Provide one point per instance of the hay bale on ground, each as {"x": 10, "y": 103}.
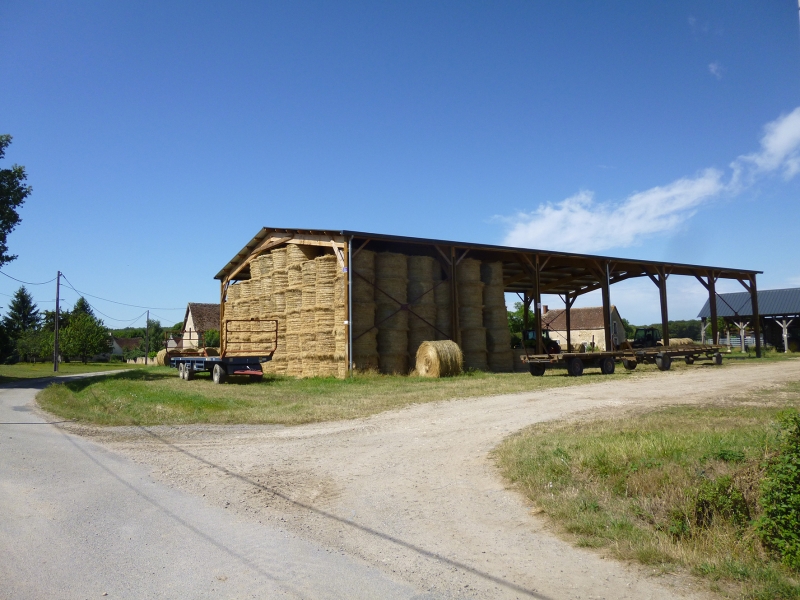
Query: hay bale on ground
{"x": 162, "y": 360}
{"x": 439, "y": 359}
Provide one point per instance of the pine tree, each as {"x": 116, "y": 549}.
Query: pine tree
{"x": 13, "y": 192}
{"x": 82, "y": 306}
{"x": 22, "y": 315}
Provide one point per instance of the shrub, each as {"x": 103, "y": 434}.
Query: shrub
{"x": 779, "y": 525}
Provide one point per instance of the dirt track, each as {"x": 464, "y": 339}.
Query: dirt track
{"x": 415, "y": 492}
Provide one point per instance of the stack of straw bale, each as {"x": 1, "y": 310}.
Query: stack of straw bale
{"x": 470, "y": 314}
{"x": 365, "y": 344}
{"x": 339, "y": 314}
{"x": 443, "y": 298}
{"x": 422, "y": 303}
{"x": 391, "y": 280}
{"x": 280, "y": 281}
{"x": 308, "y": 308}
{"x": 495, "y": 319}
{"x": 327, "y": 268}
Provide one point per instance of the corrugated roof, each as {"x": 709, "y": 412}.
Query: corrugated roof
{"x": 770, "y": 303}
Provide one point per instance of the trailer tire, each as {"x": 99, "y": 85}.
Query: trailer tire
{"x": 575, "y": 367}
{"x": 188, "y": 373}
{"x": 689, "y": 360}
{"x": 607, "y": 366}
{"x": 536, "y": 369}
{"x": 181, "y": 370}
{"x": 663, "y": 361}
{"x": 218, "y": 375}
{"x": 629, "y": 364}
{"x": 717, "y": 359}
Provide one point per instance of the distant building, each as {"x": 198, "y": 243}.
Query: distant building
{"x": 199, "y": 319}
{"x": 586, "y": 326}
{"x": 120, "y": 345}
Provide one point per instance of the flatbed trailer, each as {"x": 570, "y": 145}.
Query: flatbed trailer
{"x": 661, "y": 356}
{"x": 238, "y": 357}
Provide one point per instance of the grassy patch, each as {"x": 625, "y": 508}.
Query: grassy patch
{"x": 672, "y": 488}
{"x": 20, "y": 371}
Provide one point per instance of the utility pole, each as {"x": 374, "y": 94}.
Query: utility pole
{"x": 147, "y": 338}
{"x": 55, "y": 340}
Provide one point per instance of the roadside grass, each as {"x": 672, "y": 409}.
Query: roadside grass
{"x": 670, "y": 488}
{"x": 20, "y": 371}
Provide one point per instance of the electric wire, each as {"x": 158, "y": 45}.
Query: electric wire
{"x": 114, "y": 301}
{"x": 28, "y": 282}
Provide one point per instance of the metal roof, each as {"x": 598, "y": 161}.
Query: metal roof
{"x": 771, "y": 303}
{"x": 561, "y": 272}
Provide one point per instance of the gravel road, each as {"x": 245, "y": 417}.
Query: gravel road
{"x": 80, "y": 521}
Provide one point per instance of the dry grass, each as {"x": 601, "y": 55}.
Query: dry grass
{"x": 671, "y": 488}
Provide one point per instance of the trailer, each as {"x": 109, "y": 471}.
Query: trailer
{"x": 246, "y": 345}
{"x": 661, "y": 356}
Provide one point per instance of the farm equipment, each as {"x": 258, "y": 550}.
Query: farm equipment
{"x": 551, "y": 346}
{"x": 646, "y": 337}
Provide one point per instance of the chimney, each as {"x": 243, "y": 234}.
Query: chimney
{"x": 544, "y": 308}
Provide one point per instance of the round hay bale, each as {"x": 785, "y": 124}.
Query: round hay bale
{"x": 391, "y": 265}
{"x": 420, "y": 268}
{"x": 363, "y": 316}
{"x": 473, "y": 340}
{"x": 681, "y": 342}
{"x": 279, "y": 259}
{"x": 393, "y": 341}
{"x": 391, "y": 316}
{"x": 494, "y": 296}
{"x": 470, "y": 317}
{"x": 492, "y": 273}
{"x": 468, "y": 271}
{"x": 327, "y": 267}
{"x": 439, "y": 359}
{"x": 495, "y": 317}
{"x": 364, "y": 260}
{"x": 470, "y": 294}
{"x": 498, "y": 340}
{"x": 294, "y": 275}
{"x": 366, "y": 344}
{"x": 391, "y": 290}
{"x": 162, "y": 359}
{"x": 416, "y": 337}
{"x": 502, "y": 361}
{"x": 421, "y": 316}
{"x": 421, "y": 291}
{"x": 393, "y": 364}
{"x": 442, "y": 293}
{"x": 300, "y": 253}
{"x": 363, "y": 291}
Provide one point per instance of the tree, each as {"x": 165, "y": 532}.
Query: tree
{"x": 211, "y": 338}
{"x": 630, "y": 330}
{"x": 35, "y": 344}
{"x": 13, "y": 192}
{"x": 22, "y": 314}
{"x": 85, "y": 337}
{"x": 49, "y": 320}
{"x": 82, "y": 307}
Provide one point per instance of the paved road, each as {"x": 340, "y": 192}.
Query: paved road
{"x": 77, "y": 521}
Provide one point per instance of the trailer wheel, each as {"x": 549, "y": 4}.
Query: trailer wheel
{"x": 689, "y": 360}
{"x": 181, "y": 370}
{"x": 536, "y": 369}
{"x": 188, "y": 373}
{"x": 717, "y": 358}
{"x": 629, "y": 364}
{"x": 218, "y": 375}
{"x": 663, "y": 361}
{"x": 607, "y": 366}
{"x": 575, "y": 367}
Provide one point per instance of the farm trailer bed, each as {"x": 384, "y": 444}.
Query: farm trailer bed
{"x": 574, "y": 362}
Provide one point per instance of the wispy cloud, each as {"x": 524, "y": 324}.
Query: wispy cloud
{"x": 586, "y": 225}
{"x": 715, "y": 69}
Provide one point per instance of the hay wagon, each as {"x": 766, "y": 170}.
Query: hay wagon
{"x": 661, "y": 356}
{"x": 248, "y": 344}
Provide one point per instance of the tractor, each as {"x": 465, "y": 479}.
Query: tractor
{"x": 646, "y": 337}
{"x": 551, "y": 346}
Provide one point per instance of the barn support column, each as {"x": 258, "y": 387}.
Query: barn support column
{"x": 569, "y": 300}
{"x": 222, "y": 317}
{"x": 605, "y": 287}
{"x": 348, "y": 304}
{"x": 750, "y": 286}
{"x": 662, "y": 293}
{"x": 784, "y": 323}
{"x": 537, "y": 297}
{"x": 712, "y": 304}
{"x": 455, "y": 321}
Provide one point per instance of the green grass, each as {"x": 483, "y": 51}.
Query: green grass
{"x": 20, "y": 371}
{"x": 671, "y": 488}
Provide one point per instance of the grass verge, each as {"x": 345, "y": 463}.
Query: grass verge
{"x": 21, "y": 371}
{"x": 672, "y": 488}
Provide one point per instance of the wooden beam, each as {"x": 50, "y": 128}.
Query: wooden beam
{"x": 454, "y": 318}
{"x": 662, "y": 294}
{"x": 537, "y": 298}
{"x": 348, "y": 351}
{"x": 756, "y": 317}
{"x": 514, "y": 279}
{"x": 340, "y": 254}
{"x": 266, "y": 245}
{"x": 361, "y": 247}
{"x": 605, "y": 285}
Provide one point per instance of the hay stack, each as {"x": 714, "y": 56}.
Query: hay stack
{"x": 295, "y": 275}
{"x": 442, "y": 297}
{"x": 422, "y": 303}
{"x": 439, "y": 359}
{"x": 339, "y": 314}
{"x": 233, "y": 292}
{"x": 470, "y": 313}
{"x": 391, "y": 281}
{"x": 473, "y": 345}
{"x": 681, "y": 342}
{"x": 278, "y": 259}
{"x": 162, "y": 360}
{"x": 365, "y": 344}
{"x": 495, "y": 319}
{"x": 364, "y": 276}
{"x": 327, "y": 269}
{"x": 297, "y": 254}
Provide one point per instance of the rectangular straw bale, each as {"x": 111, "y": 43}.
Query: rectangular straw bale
{"x": 279, "y": 259}
{"x": 338, "y": 290}
{"x": 279, "y": 301}
{"x": 325, "y": 342}
{"x": 255, "y": 269}
{"x": 294, "y": 298}
{"x": 299, "y": 253}
{"x": 280, "y": 280}
{"x": 328, "y": 367}
{"x": 293, "y": 322}
{"x": 327, "y": 267}
{"x": 233, "y": 292}
{"x": 308, "y": 273}
{"x": 309, "y": 297}
{"x": 307, "y": 320}
{"x": 324, "y": 319}
{"x": 295, "y": 275}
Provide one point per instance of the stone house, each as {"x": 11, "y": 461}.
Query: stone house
{"x": 199, "y": 318}
{"x": 586, "y": 326}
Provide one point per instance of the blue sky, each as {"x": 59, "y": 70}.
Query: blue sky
{"x": 159, "y": 137}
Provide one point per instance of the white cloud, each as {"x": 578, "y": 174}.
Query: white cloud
{"x": 585, "y": 225}
{"x": 715, "y": 69}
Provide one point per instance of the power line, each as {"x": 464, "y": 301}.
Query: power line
{"x": 27, "y": 282}
{"x": 114, "y": 301}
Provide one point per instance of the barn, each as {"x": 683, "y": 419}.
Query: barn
{"x": 587, "y": 326}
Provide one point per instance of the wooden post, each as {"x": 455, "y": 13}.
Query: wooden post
{"x": 756, "y": 316}
{"x": 537, "y": 298}
{"x": 662, "y": 292}
{"x": 526, "y": 311}
{"x": 221, "y": 318}
{"x": 348, "y": 313}
{"x": 712, "y": 303}
{"x": 785, "y": 328}
{"x": 455, "y": 321}
{"x": 567, "y": 306}
{"x": 606, "y": 294}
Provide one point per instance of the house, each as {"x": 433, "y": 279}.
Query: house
{"x": 199, "y": 319}
{"x": 586, "y": 326}
{"x": 120, "y": 345}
